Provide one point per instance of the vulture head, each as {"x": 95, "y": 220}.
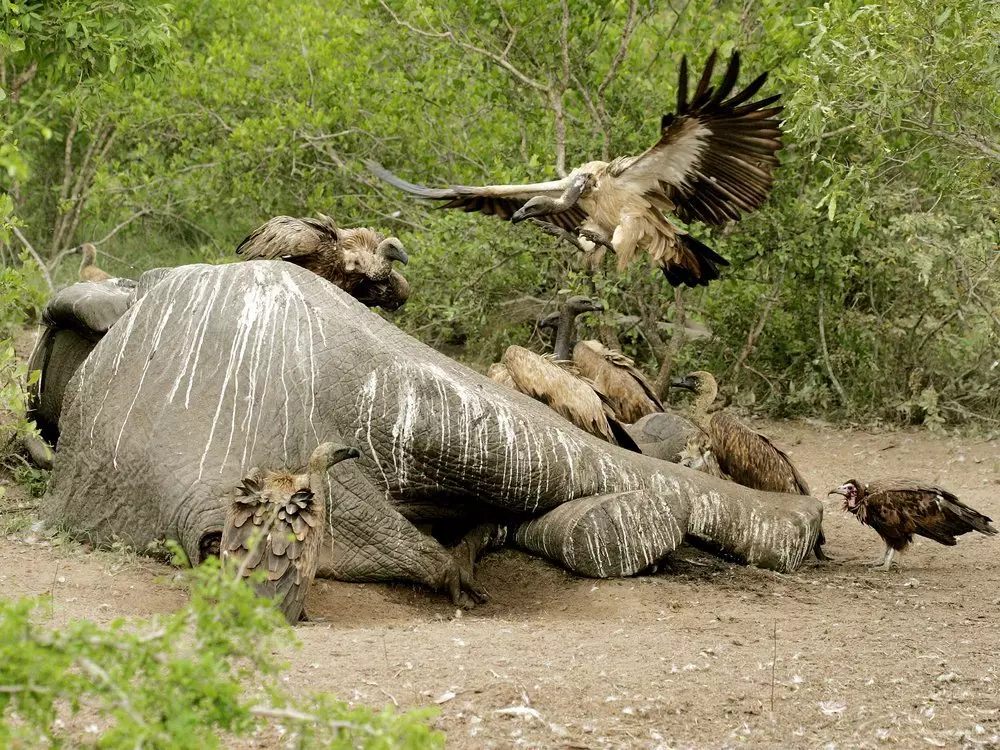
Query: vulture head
{"x": 853, "y": 493}
{"x": 369, "y": 253}
{"x": 701, "y": 383}
{"x": 540, "y": 205}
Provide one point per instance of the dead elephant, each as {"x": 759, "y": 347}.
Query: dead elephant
{"x": 215, "y": 369}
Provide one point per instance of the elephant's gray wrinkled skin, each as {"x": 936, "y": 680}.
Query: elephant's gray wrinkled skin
{"x": 216, "y": 369}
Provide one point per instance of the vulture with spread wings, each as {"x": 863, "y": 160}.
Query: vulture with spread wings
{"x": 713, "y": 163}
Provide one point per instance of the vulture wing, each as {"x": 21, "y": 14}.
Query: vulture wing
{"x": 715, "y": 156}
{"x": 631, "y": 395}
{"x": 286, "y": 236}
{"x": 751, "y": 459}
{"x": 913, "y": 507}
{"x": 567, "y": 395}
{"x": 493, "y": 200}
{"x": 281, "y": 535}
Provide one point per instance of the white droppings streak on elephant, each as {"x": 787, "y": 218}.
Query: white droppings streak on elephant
{"x": 365, "y": 405}
{"x": 154, "y": 343}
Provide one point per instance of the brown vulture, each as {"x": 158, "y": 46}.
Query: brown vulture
{"x": 899, "y": 508}
{"x": 89, "y": 271}
{"x": 712, "y": 163}
{"x": 558, "y": 384}
{"x": 277, "y": 520}
{"x": 359, "y": 261}
{"x": 744, "y": 455}
{"x": 615, "y": 375}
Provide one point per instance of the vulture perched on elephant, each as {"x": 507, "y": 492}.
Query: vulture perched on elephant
{"x": 742, "y": 454}
{"x": 89, "y": 271}
{"x": 557, "y": 383}
{"x": 615, "y": 375}
{"x": 899, "y": 508}
{"x": 277, "y": 520}
{"x": 353, "y": 259}
{"x": 712, "y": 163}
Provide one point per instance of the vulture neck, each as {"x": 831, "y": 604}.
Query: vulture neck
{"x": 700, "y": 413}
{"x": 564, "y": 335}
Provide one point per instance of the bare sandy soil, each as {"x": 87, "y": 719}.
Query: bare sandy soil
{"x": 909, "y": 658}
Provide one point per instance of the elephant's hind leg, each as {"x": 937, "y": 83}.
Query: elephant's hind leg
{"x": 604, "y": 536}
{"x": 369, "y": 540}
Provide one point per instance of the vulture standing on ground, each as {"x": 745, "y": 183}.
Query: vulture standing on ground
{"x": 349, "y": 258}
{"x": 744, "y": 455}
{"x": 899, "y": 508}
{"x": 89, "y": 270}
{"x": 615, "y": 375}
{"x": 559, "y": 385}
{"x": 712, "y": 163}
{"x": 277, "y": 519}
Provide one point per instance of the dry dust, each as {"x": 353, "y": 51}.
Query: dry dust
{"x": 684, "y": 658}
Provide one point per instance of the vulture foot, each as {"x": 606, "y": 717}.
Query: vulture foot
{"x": 559, "y": 233}
{"x": 885, "y": 563}
{"x": 596, "y": 237}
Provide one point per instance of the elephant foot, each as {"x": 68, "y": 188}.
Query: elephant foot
{"x": 605, "y": 536}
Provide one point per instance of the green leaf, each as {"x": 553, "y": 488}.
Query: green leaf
{"x": 113, "y": 63}
{"x": 71, "y": 29}
{"x": 16, "y": 44}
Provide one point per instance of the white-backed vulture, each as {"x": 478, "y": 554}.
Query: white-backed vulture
{"x": 746, "y": 456}
{"x": 899, "y": 508}
{"x": 712, "y": 163}
{"x": 348, "y": 258}
{"x": 89, "y": 271}
{"x": 627, "y": 390}
{"x": 559, "y": 385}
{"x": 277, "y": 520}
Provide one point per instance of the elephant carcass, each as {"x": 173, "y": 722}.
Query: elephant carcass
{"x": 216, "y": 369}
{"x": 663, "y": 435}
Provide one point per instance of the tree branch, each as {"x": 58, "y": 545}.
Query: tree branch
{"x": 36, "y": 256}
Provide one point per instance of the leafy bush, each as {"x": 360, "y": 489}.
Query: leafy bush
{"x": 179, "y": 681}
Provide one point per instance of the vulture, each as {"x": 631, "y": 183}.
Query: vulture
{"x": 353, "y": 259}
{"x": 615, "y": 375}
{"x": 712, "y": 163}
{"x": 558, "y": 384}
{"x": 743, "y": 455}
{"x": 899, "y": 508}
{"x": 277, "y": 520}
{"x": 89, "y": 270}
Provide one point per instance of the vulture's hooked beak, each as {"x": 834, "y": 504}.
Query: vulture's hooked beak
{"x": 842, "y": 491}
{"x": 687, "y": 383}
{"x": 343, "y": 454}
{"x": 519, "y": 216}
{"x": 392, "y": 249}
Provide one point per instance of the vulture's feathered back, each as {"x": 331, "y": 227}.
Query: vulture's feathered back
{"x": 712, "y": 163}
{"x": 630, "y": 394}
{"x": 898, "y": 509}
{"x": 352, "y": 259}
{"x": 276, "y": 522}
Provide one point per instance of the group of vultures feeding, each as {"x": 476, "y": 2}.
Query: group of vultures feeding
{"x": 261, "y": 412}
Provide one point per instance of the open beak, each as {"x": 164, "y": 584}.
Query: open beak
{"x": 392, "y": 249}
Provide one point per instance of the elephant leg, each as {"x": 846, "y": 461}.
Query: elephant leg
{"x": 604, "y": 536}
{"x": 369, "y": 540}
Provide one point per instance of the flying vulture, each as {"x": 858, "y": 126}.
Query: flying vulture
{"x": 89, "y": 270}
{"x": 899, "y": 508}
{"x": 744, "y": 455}
{"x": 712, "y": 163}
{"x": 359, "y": 261}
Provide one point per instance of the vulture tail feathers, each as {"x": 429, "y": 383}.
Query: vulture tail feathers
{"x": 682, "y": 86}
{"x": 972, "y": 519}
{"x": 708, "y": 262}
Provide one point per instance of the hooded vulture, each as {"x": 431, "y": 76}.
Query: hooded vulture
{"x": 359, "y": 261}
{"x": 89, "y": 270}
{"x": 744, "y": 455}
{"x": 615, "y": 375}
{"x": 899, "y": 508}
{"x": 276, "y": 520}
{"x": 712, "y": 163}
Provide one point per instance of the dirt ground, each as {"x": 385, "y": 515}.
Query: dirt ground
{"x": 703, "y": 654}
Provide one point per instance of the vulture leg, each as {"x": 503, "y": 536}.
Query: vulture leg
{"x": 559, "y": 233}
{"x": 886, "y": 562}
{"x": 484, "y": 537}
{"x": 596, "y": 237}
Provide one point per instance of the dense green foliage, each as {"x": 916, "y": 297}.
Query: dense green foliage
{"x": 866, "y": 288}
{"x": 177, "y": 682}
